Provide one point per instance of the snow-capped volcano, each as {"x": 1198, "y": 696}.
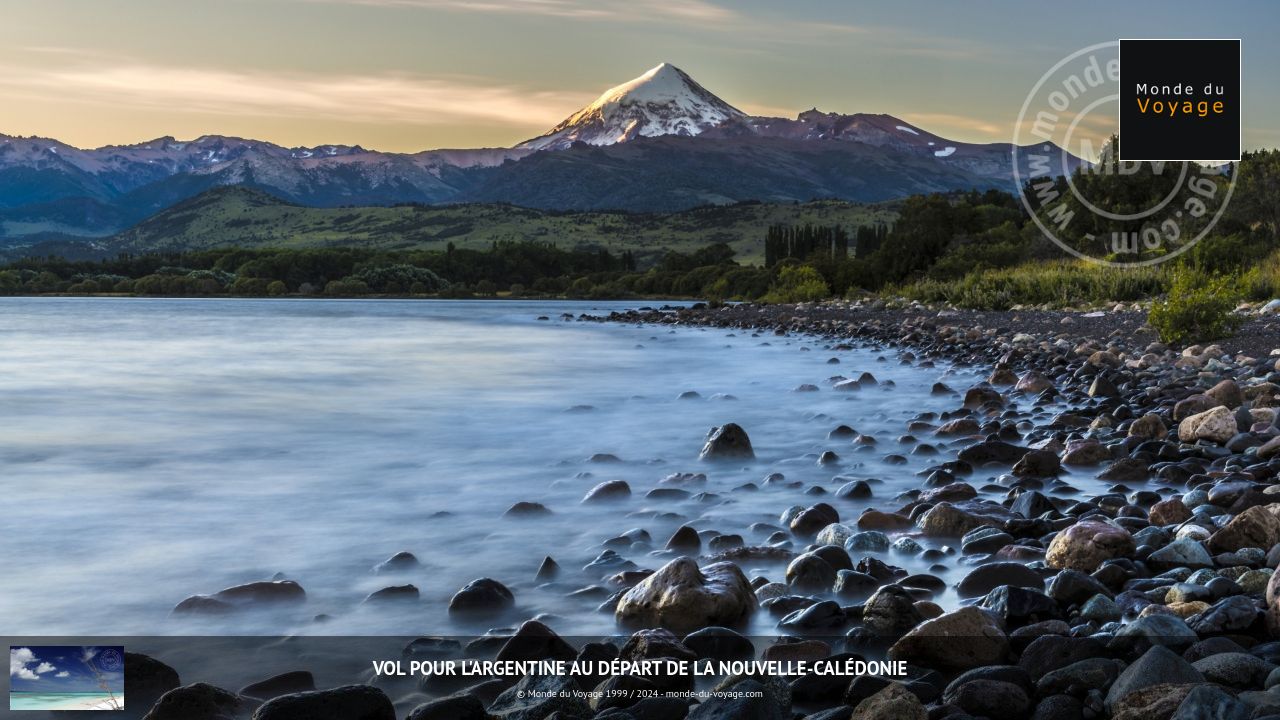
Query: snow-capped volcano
{"x": 663, "y": 101}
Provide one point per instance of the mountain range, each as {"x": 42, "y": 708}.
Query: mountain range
{"x": 658, "y": 143}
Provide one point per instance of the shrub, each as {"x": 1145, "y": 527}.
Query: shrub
{"x": 398, "y": 277}
{"x": 277, "y": 288}
{"x": 798, "y": 283}
{"x": 1197, "y": 308}
{"x": 346, "y": 287}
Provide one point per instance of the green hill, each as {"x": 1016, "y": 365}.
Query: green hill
{"x": 243, "y": 217}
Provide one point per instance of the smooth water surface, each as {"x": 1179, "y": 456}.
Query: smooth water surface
{"x": 156, "y": 449}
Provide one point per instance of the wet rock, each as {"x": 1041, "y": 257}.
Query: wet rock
{"x": 527, "y": 509}
{"x": 1157, "y": 666}
{"x": 1234, "y": 669}
{"x": 457, "y": 707}
{"x": 992, "y": 452}
{"x": 727, "y": 442}
{"x": 535, "y": 641}
{"x": 685, "y": 539}
{"x": 352, "y": 702}
{"x": 1148, "y": 427}
{"x": 199, "y": 701}
{"x": 890, "y": 612}
{"x": 400, "y": 562}
{"x": 958, "y": 640}
{"x": 1080, "y": 677}
{"x": 1100, "y": 609}
{"x": 1226, "y": 393}
{"x": 540, "y": 696}
{"x": 1181, "y": 553}
{"x": 826, "y": 615}
{"x": 867, "y": 541}
{"x": 854, "y": 585}
{"x": 894, "y": 702}
{"x": 1156, "y": 629}
{"x": 1038, "y": 464}
{"x": 879, "y": 520}
{"x": 810, "y": 573}
{"x": 1209, "y": 702}
{"x": 985, "y": 578}
{"x": 147, "y": 679}
{"x": 979, "y": 395}
{"x": 1072, "y": 587}
{"x": 394, "y": 593}
{"x": 548, "y": 570}
{"x": 1217, "y": 425}
{"x": 1047, "y": 653}
{"x": 960, "y": 426}
{"x": 995, "y": 699}
{"x": 834, "y": 534}
{"x": 947, "y": 520}
{"x": 1255, "y": 527}
{"x": 1149, "y": 703}
{"x": 484, "y": 596}
{"x": 982, "y": 540}
{"x": 1228, "y": 615}
{"x": 719, "y": 643}
{"x": 1085, "y": 545}
{"x": 1017, "y": 606}
{"x": 282, "y": 684}
{"x": 1085, "y": 452}
{"x": 608, "y": 491}
{"x": 682, "y": 597}
{"x": 1033, "y": 383}
{"x": 812, "y": 519}
{"x": 1169, "y": 512}
{"x": 655, "y": 643}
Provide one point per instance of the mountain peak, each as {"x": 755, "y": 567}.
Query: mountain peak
{"x": 662, "y": 101}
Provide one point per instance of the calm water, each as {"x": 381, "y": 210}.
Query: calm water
{"x": 155, "y": 449}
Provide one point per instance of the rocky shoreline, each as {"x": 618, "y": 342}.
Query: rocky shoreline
{"x": 1152, "y": 599}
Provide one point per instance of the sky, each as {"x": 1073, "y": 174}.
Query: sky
{"x": 60, "y": 669}
{"x": 410, "y": 75}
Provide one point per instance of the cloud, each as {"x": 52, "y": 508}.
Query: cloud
{"x": 614, "y": 10}
{"x": 19, "y": 659}
{"x": 63, "y": 674}
{"x": 44, "y": 667}
{"x": 392, "y": 97}
{"x": 930, "y": 121}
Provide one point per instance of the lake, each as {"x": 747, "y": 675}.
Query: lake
{"x": 154, "y": 449}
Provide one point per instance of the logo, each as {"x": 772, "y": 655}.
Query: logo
{"x": 1082, "y": 196}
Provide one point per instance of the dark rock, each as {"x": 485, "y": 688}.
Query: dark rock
{"x": 484, "y": 596}
{"x": 282, "y": 684}
{"x": 985, "y": 578}
{"x": 458, "y": 707}
{"x": 352, "y": 702}
{"x": 1157, "y": 666}
{"x": 199, "y": 701}
{"x": 727, "y": 442}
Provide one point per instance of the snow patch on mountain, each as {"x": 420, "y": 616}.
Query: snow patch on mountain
{"x": 944, "y": 152}
{"x": 663, "y": 101}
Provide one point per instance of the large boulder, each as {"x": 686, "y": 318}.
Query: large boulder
{"x": 484, "y": 596}
{"x": 539, "y": 696}
{"x": 1215, "y": 425}
{"x": 147, "y": 679}
{"x": 1085, "y": 545}
{"x": 958, "y": 640}
{"x": 682, "y": 597}
{"x": 727, "y": 442}
{"x": 1157, "y": 666}
{"x": 1256, "y": 527}
{"x": 196, "y": 702}
{"x": 947, "y": 520}
{"x": 894, "y": 702}
{"x": 352, "y": 702}
{"x": 891, "y": 611}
